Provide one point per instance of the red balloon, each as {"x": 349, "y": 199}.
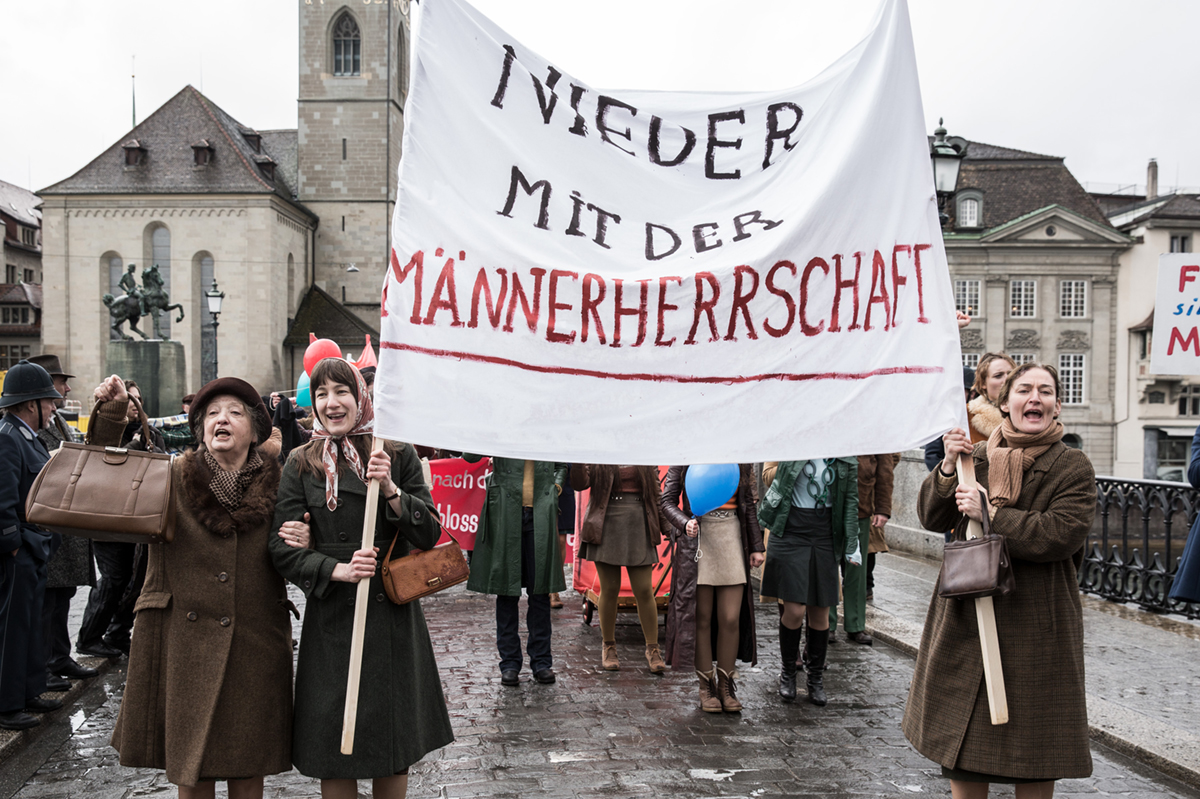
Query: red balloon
{"x": 319, "y": 350}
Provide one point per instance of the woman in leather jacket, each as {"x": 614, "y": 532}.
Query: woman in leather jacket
{"x": 711, "y": 576}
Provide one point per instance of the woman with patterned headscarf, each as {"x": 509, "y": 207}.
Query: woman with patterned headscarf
{"x": 401, "y": 711}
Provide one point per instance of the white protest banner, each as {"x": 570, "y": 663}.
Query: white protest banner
{"x": 1175, "y": 348}
{"x": 652, "y": 277}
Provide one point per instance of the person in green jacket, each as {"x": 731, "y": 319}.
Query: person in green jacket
{"x": 809, "y": 507}
{"x": 517, "y": 547}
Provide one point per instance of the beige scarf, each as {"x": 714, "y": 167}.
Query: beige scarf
{"x": 1010, "y": 453}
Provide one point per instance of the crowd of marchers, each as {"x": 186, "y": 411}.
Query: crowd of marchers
{"x": 265, "y": 497}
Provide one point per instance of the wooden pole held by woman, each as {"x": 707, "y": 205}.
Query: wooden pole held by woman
{"x": 985, "y": 615}
{"x": 360, "y": 617}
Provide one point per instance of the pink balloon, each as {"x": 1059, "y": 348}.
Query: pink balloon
{"x": 318, "y": 350}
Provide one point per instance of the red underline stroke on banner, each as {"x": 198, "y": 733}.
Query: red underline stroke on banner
{"x": 653, "y": 378}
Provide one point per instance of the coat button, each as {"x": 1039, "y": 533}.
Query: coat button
{"x": 224, "y": 621}
{"x": 416, "y": 515}
{"x": 342, "y": 536}
{"x": 379, "y": 597}
{"x": 223, "y": 577}
{"x": 191, "y": 616}
{"x": 308, "y": 583}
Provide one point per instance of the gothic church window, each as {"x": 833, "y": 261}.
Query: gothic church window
{"x": 402, "y": 65}
{"x": 347, "y": 46}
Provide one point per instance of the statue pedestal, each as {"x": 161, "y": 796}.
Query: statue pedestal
{"x": 157, "y": 367}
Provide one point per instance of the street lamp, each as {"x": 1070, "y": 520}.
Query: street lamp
{"x": 214, "y": 298}
{"x": 947, "y": 158}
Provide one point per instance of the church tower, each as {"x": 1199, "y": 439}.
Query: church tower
{"x": 354, "y": 65}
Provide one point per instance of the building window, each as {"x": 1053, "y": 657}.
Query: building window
{"x": 966, "y": 297}
{"x": 1023, "y": 357}
{"x": 29, "y": 237}
{"x": 1173, "y": 458}
{"x": 1022, "y": 299}
{"x": 971, "y": 359}
{"x": 208, "y": 333}
{"x": 1072, "y": 299}
{"x": 1070, "y": 375}
{"x": 28, "y": 276}
{"x": 160, "y": 256}
{"x": 14, "y": 315}
{"x": 402, "y": 66}
{"x": 1181, "y": 242}
{"x": 1189, "y": 401}
{"x": 968, "y": 213}
{"x": 1157, "y": 397}
{"x": 10, "y": 273}
{"x": 12, "y": 354}
{"x": 1073, "y": 441}
{"x": 347, "y": 47}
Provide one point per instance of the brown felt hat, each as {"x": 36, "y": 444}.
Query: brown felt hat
{"x": 233, "y": 387}
{"x": 51, "y": 364}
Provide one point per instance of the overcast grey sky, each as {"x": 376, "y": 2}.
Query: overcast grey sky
{"x": 1106, "y": 84}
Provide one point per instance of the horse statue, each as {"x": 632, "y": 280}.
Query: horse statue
{"x": 155, "y": 298}
{"x": 124, "y": 308}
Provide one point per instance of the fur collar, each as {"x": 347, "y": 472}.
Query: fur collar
{"x": 985, "y": 417}
{"x": 258, "y": 503}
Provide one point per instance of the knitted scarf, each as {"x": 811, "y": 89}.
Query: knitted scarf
{"x": 229, "y": 487}
{"x": 364, "y": 425}
{"x": 1010, "y": 453}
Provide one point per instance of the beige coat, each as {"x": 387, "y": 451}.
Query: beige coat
{"x": 209, "y": 689}
{"x": 1039, "y": 626}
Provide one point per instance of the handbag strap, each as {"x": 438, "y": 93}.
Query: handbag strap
{"x": 87, "y": 439}
{"x": 983, "y": 507}
{"x": 388, "y": 557}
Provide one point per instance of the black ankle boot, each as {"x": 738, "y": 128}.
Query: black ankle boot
{"x": 818, "y": 645}
{"x": 789, "y": 647}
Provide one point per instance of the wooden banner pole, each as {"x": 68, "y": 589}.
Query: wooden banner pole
{"x": 985, "y": 615}
{"x": 350, "y": 716}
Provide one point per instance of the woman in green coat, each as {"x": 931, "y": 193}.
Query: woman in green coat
{"x": 517, "y": 547}
{"x": 401, "y": 711}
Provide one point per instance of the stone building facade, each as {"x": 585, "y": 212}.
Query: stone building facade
{"x": 292, "y": 224}
{"x": 1158, "y": 413}
{"x": 21, "y": 289}
{"x": 1035, "y": 262}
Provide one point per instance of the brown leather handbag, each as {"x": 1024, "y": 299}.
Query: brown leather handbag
{"x": 105, "y": 493}
{"x": 423, "y": 571}
{"x": 977, "y": 567}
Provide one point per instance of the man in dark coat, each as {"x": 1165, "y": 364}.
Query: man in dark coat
{"x": 28, "y": 402}
{"x": 70, "y": 566}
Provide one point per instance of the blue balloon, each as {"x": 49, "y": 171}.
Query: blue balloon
{"x": 711, "y": 485}
{"x": 303, "y": 395}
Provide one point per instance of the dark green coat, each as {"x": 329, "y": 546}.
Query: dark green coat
{"x": 496, "y": 562}
{"x": 401, "y": 711}
{"x": 777, "y": 504}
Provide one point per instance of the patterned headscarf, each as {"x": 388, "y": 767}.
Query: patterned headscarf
{"x": 364, "y": 425}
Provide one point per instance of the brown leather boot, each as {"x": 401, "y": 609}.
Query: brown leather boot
{"x": 655, "y": 659}
{"x": 555, "y": 601}
{"x": 709, "y": 702}
{"x": 608, "y": 660}
{"x": 726, "y": 690}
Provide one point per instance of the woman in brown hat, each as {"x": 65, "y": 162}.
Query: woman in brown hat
{"x": 209, "y": 691}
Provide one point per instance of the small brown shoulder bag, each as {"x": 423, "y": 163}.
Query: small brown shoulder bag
{"x": 977, "y": 567}
{"x": 423, "y": 571}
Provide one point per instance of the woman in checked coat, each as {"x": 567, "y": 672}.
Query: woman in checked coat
{"x": 1041, "y": 496}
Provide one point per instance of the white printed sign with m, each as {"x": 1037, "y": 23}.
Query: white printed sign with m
{"x": 1176, "y": 346}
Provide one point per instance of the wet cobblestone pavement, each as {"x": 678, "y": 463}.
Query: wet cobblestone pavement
{"x": 600, "y": 734}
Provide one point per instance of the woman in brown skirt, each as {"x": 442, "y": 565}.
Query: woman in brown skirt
{"x": 711, "y": 576}
{"x": 622, "y": 529}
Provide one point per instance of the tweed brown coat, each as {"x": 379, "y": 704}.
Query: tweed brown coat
{"x": 1039, "y": 625}
{"x": 209, "y": 689}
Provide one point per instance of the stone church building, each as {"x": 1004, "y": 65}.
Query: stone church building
{"x": 293, "y": 225}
